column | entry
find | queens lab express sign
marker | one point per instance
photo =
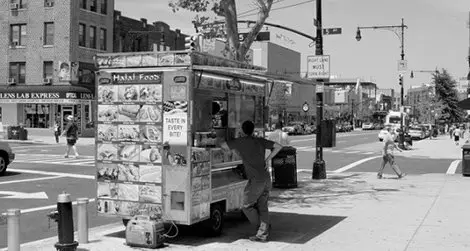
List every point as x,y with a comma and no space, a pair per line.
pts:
318,67
44,97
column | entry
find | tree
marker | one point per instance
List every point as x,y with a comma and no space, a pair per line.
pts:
226,8
447,97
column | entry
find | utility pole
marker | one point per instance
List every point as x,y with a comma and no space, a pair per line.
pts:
401,142
319,170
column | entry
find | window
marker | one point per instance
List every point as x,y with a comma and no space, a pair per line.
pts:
48,3
93,37
18,72
103,39
37,115
104,7
48,33
83,4
18,34
81,35
48,69
93,5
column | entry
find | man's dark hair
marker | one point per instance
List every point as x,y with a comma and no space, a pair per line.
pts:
248,127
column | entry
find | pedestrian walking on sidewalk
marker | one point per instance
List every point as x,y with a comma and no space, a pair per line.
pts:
71,132
457,134
388,156
56,131
252,150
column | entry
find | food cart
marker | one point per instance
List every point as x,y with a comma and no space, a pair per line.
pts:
159,116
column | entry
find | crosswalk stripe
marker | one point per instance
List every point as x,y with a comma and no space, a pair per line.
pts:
352,152
453,167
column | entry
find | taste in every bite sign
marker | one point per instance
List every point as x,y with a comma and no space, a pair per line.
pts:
175,126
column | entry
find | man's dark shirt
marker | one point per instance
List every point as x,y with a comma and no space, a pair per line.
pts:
252,151
71,130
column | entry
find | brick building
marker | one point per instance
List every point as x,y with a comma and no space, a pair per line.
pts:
48,68
138,35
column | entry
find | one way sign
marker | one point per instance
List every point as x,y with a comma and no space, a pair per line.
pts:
332,31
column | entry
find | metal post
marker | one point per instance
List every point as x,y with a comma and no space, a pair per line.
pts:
65,224
401,139
319,170
82,222
13,229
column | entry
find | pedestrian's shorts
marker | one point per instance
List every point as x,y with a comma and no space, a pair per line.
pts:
71,142
388,158
456,138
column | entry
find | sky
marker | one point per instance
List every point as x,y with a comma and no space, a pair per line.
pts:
437,34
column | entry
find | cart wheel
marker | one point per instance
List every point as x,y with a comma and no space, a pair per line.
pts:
125,221
215,223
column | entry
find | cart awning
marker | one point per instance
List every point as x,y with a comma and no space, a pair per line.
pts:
464,104
253,74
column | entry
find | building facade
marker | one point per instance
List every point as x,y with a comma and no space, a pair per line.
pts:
420,101
48,73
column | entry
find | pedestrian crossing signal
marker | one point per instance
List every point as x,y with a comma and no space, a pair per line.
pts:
191,43
400,79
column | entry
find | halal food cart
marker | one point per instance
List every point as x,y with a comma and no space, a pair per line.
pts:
159,116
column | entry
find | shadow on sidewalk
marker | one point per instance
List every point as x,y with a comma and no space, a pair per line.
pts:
286,227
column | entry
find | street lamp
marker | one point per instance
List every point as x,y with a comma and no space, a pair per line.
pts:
399,30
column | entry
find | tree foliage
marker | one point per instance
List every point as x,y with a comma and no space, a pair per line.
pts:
235,49
446,96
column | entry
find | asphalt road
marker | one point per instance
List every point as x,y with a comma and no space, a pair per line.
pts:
41,170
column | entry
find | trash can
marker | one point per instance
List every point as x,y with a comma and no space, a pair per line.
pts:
23,134
466,159
13,132
284,168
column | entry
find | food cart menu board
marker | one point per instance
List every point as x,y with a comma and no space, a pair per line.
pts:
129,143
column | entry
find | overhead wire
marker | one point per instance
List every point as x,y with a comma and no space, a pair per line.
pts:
256,9
279,8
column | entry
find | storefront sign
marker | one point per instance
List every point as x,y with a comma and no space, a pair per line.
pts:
32,97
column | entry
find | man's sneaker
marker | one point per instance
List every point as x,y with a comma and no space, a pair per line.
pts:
258,239
401,175
66,156
379,176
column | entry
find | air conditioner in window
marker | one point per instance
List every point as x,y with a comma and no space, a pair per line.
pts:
15,43
14,6
11,81
49,3
47,81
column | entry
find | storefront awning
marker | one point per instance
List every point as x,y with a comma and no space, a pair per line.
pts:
45,94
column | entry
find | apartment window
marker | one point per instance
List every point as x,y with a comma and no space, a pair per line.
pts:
48,69
48,33
104,7
83,4
48,3
93,5
81,35
103,39
18,72
93,37
18,34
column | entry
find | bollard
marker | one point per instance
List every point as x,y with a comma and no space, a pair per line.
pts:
82,222
13,229
65,224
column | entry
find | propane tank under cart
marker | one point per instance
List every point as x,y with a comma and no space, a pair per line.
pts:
159,118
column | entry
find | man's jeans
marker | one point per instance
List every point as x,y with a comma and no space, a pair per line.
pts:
389,158
255,205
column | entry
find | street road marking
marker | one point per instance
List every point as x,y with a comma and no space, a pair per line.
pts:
345,168
336,151
352,152
369,153
453,167
20,195
30,180
338,136
69,175
54,159
36,209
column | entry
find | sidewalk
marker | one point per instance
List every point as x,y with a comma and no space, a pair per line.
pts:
348,211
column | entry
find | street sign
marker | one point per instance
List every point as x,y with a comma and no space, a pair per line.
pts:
402,66
320,88
305,107
332,31
318,67
262,36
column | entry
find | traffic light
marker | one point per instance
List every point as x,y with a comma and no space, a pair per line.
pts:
191,43
400,79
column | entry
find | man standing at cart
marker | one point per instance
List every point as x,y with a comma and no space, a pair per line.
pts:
252,150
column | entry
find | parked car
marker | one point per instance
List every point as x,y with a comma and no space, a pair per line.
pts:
340,128
367,126
417,132
310,129
347,127
6,157
294,128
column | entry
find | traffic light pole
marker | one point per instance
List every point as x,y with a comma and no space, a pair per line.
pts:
319,169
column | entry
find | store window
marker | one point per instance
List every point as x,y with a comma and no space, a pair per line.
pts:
93,5
18,72
49,33
37,115
88,118
104,7
48,70
81,35
93,37
103,39
18,34
83,4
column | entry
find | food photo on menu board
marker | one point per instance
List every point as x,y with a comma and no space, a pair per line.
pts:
150,174
129,208
128,172
107,171
128,113
150,194
107,152
107,206
107,93
174,155
129,133
128,192
150,154
151,133
107,190
128,93
107,113
107,132
129,152
153,210
151,93
150,113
